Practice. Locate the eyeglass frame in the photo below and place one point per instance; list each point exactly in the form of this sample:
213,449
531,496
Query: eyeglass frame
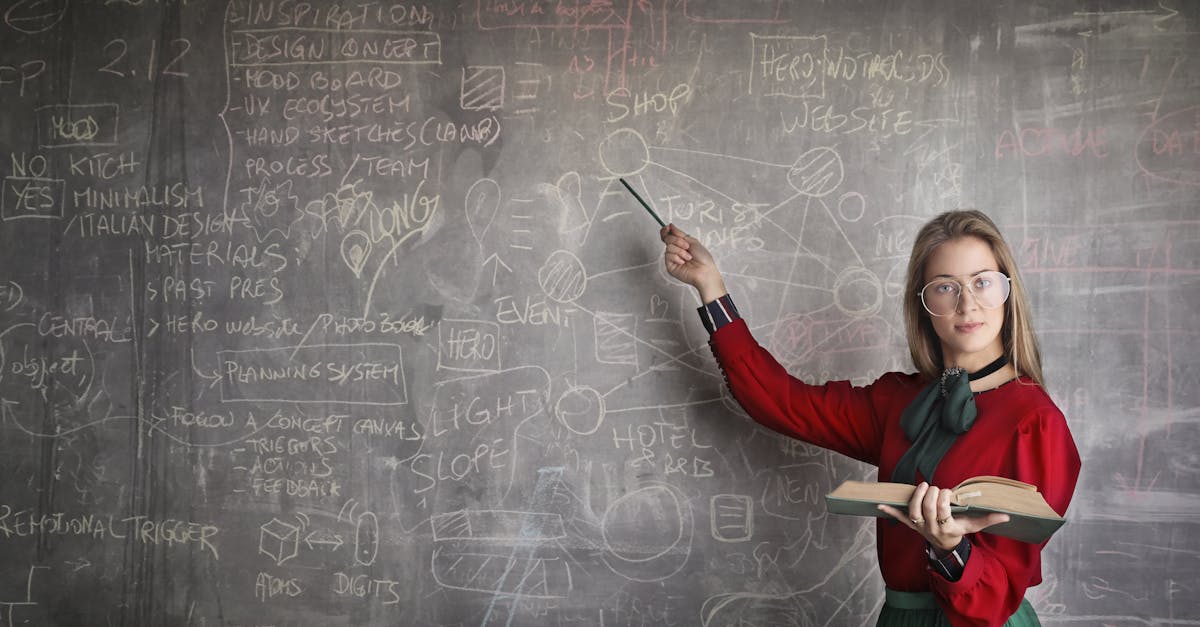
921,292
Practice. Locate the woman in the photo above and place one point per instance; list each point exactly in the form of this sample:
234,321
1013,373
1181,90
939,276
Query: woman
976,407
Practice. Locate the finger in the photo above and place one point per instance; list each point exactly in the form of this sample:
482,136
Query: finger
943,507
673,249
663,232
972,524
929,505
914,504
897,514
677,241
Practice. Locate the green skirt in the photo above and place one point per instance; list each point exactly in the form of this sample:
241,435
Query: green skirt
920,609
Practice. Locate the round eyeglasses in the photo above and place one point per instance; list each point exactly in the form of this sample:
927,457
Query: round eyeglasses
990,289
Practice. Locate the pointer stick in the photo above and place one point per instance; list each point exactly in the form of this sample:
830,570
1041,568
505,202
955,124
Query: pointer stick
639,199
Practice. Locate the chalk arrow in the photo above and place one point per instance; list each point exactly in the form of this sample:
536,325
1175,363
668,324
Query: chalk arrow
496,268
324,538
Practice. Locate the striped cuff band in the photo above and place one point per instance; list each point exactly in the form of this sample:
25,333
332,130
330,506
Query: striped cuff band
718,313
952,565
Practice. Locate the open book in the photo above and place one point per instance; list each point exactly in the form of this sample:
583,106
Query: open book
1031,519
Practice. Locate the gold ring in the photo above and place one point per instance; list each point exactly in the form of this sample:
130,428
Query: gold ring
917,521
942,521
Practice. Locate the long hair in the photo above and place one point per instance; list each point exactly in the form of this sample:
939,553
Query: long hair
1020,342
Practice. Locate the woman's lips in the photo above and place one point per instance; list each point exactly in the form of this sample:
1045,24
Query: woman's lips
969,327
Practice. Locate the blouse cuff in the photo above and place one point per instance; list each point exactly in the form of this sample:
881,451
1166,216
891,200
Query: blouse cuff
951,566
972,574
718,313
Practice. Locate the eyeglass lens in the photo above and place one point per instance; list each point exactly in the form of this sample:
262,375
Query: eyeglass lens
940,297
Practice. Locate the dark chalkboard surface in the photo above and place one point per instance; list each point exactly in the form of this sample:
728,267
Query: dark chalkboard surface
337,314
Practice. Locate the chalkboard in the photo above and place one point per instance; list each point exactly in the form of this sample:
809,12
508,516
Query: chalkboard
337,314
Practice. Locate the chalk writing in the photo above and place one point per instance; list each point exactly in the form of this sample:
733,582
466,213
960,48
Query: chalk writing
24,523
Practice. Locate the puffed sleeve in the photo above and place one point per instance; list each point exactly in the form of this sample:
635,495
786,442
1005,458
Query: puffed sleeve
837,415
999,569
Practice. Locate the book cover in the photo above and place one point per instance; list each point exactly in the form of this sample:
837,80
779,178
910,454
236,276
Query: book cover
1031,519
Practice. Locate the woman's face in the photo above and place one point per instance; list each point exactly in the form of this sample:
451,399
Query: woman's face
970,335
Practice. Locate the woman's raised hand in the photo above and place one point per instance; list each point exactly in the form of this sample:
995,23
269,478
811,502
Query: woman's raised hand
689,261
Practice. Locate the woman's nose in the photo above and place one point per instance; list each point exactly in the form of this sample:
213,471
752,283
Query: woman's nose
967,301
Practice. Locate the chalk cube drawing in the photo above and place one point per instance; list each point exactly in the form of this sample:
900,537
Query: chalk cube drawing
280,540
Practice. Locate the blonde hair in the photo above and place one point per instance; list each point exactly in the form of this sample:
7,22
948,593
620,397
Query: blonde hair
1020,342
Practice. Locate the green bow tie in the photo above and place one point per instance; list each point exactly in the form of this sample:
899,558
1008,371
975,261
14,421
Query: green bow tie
944,410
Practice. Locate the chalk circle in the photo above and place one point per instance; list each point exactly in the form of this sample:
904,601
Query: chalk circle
647,524
858,293
852,206
581,410
35,16
1182,173
624,152
817,172
562,277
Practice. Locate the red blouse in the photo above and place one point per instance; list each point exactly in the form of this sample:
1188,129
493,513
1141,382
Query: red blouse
1019,433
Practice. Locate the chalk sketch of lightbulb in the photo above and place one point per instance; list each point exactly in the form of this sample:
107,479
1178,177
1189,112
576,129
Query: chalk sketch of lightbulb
356,249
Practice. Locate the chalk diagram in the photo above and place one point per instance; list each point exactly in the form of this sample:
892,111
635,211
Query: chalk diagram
528,545
506,230
285,540
812,181
643,536
833,298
